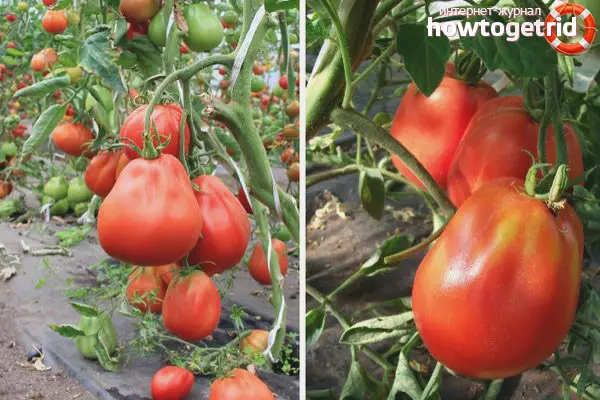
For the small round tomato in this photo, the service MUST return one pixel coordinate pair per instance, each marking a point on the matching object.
(293, 109)
(257, 84)
(241, 385)
(192, 306)
(143, 282)
(49, 3)
(167, 121)
(100, 175)
(157, 30)
(38, 62)
(138, 11)
(74, 139)
(205, 31)
(283, 82)
(144, 226)
(293, 172)
(256, 342)
(224, 84)
(172, 383)
(287, 156)
(11, 17)
(5, 189)
(291, 131)
(165, 272)
(226, 231)
(55, 21)
(258, 266)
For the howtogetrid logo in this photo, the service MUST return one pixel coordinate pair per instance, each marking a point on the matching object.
(553, 30)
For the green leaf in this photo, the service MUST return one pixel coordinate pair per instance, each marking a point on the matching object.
(44, 87)
(96, 57)
(108, 363)
(44, 126)
(405, 380)
(85, 310)
(10, 61)
(567, 66)
(372, 192)
(375, 263)
(377, 329)
(67, 330)
(315, 323)
(528, 57)
(149, 57)
(274, 5)
(356, 386)
(425, 57)
(14, 52)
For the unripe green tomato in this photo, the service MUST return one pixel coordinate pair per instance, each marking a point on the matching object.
(230, 17)
(274, 109)
(293, 38)
(93, 327)
(60, 208)
(267, 121)
(157, 30)
(271, 36)
(257, 84)
(277, 91)
(186, 57)
(292, 16)
(205, 31)
(80, 209)
(73, 18)
(78, 191)
(256, 113)
(74, 74)
(9, 149)
(57, 188)
(39, 6)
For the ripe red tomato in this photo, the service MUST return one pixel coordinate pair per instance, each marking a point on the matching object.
(121, 164)
(287, 156)
(38, 62)
(432, 127)
(283, 81)
(166, 119)
(256, 342)
(183, 49)
(150, 217)
(138, 29)
(293, 109)
(2, 68)
(137, 11)
(165, 272)
(257, 264)
(244, 200)
(100, 175)
(192, 307)
(258, 69)
(55, 21)
(241, 385)
(226, 231)
(5, 189)
(496, 143)
(503, 280)
(49, 3)
(74, 139)
(143, 281)
(11, 17)
(293, 172)
(172, 383)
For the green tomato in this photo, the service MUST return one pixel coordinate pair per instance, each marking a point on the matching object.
(277, 91)
(267, 121)
(78, 191)
(60, 208)
(157, 30)
(57, 188)
(9, 149)
(73, 18)
(95, 327)
(293, 38)
(274, 109)
(205, 31)
(256, 84)
(256, 114)
(230, 18)
(223, 6)
(80, 209)
(283, 234)
(9, 207)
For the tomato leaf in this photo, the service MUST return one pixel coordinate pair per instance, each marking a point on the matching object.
(148, 55)
(377, 329)
(528, 57)
(85, 310)
(372, 192)
(108, 363)
(315, 323)
(356, 385)
(375, 264)
(274, 5)
(14, 52)
(67, 330)
(96, 57)
(405, 380)
(44, 87)
(40, 132)
(425, 57)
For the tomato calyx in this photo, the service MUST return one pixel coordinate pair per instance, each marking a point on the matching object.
(553, 195)
(470, 68)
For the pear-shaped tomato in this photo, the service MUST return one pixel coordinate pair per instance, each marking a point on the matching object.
(138, 11)
(144, 282)
(241, 385)
(226, 229)
(205, 31)
(157, 30)
(258, 266)
(55, 21)
(498, 291)
(100, 175)
(150, 217)
(74, 139)
(192, 306)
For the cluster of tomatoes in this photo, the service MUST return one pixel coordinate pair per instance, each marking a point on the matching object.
(505, 255)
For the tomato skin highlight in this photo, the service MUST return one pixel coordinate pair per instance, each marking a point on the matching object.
(257, 264)
(226, 230)
(74, 139)
(143, 281)
(496, 145)
(241, 385)
(192, 307)
(150, 217)
(100, 175)
(166, 118)
(432, 127)
(498, 291)
(172, 383)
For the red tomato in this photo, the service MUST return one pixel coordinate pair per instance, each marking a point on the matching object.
(183, 49)
(55, 21)
(121, 164)
(496, 143)
(192, 307)
(166, 119)
(38, 62)
(150, 217)
(256, 342)
(432, 127)
(287, 156)
(226, 231)
(283, 82)
(138, 11)
(293, 172)
(224, 84)
(241, 385)
(143, 281)
(165, 272)
(100, 175)
(5, 189)
(2, 68)
(134, 29)
(503, 279)
(73, 139)
(172, 383)
(244, 200)
(49, 3)
(222, 71)
(258, 69)
(11, 17)
(257, 264)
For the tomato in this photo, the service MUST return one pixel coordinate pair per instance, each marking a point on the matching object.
(5, 188)
(157, 30)
(2, 68)
(54, 21)
(283, 83)
(49, 3)
(22, 6)
(16, 172)
(291, 131)
(293, 172)
(166, 119)
(73, 18)
(293, 109)
(183, 49)
(142, 282)
(100, 175)
(498, 291)
(150, 217)
(496, 144)
(287, 156)
(11, 17)
(137, 11)
(241, 385)
(57, 188)
(230, 18)
(165, 272)
(205, 31)
(224, 84)
(172, 383)
(9, 149)
(121, 164)
(74, 139)
(257, 264)
(226, 230)
(257, 84)
(38, 62)
(94, 327)
(136, 29)
(78, 192)
(256, 342)
(192, 307)
(258, 69)
(244, 200)
(74, 74)
(432, 127)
